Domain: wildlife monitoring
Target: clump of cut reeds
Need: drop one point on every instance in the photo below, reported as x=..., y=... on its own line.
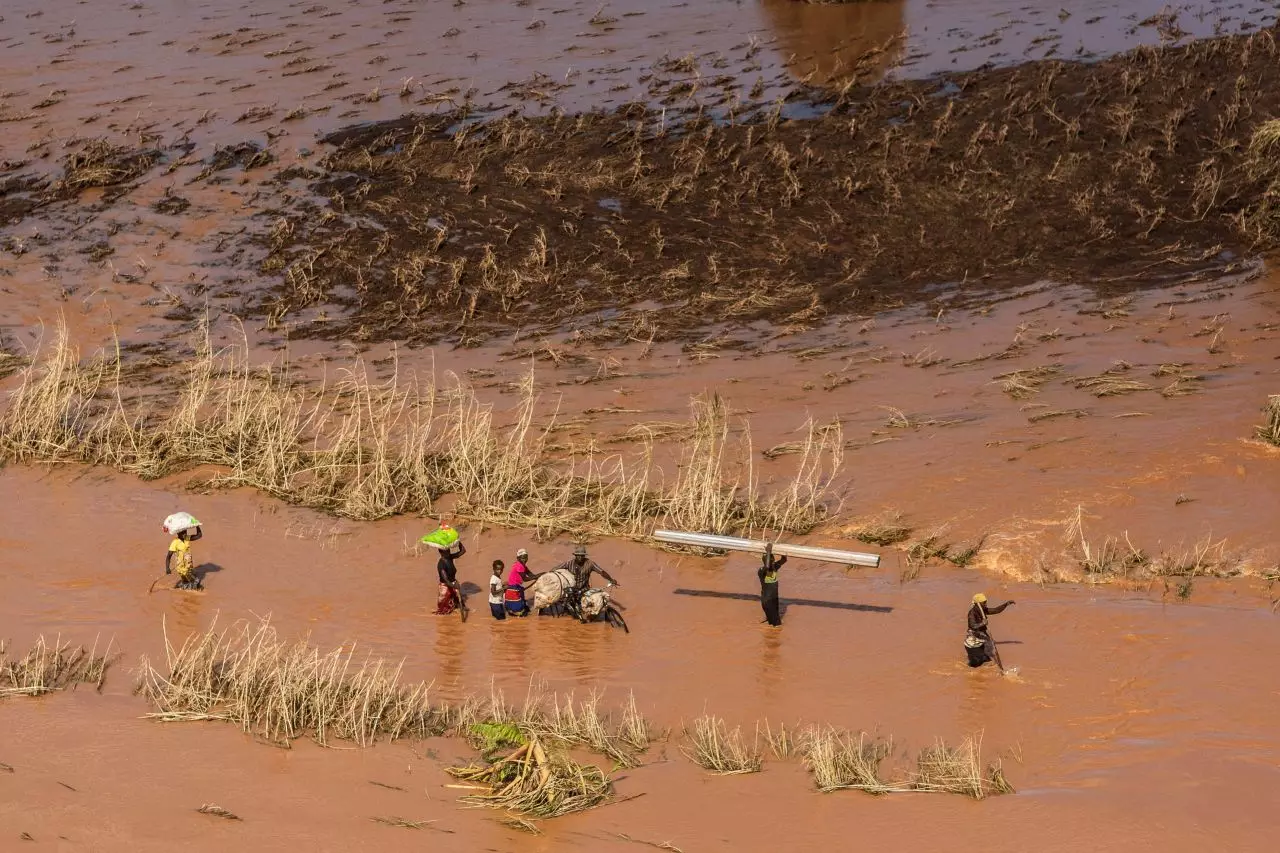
x=1021, y=384
x=884, y=530
x=536, y=780
x=281, y=691
x=1266, y=139
x=842, y=760
x=101, y=164
x=958, y=770
x=1269, y=429
x=53, y=666
x=218, y=811
x=1111, y=382
x=9, y=363
x=715, y=747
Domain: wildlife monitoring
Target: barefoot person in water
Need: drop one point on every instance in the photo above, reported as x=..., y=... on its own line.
x=450, y=595
x=179, y=559
x=768, y=575
x=977, y=642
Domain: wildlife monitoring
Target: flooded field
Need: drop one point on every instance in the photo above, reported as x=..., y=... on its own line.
x=962, y=284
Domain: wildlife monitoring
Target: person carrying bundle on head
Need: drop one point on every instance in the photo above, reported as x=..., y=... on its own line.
x=977, y=641
x=768, y=574
x=178, y=559
x=519, y=576
x=446, y=541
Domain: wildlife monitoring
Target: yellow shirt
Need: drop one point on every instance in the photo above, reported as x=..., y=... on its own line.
x=182, y=564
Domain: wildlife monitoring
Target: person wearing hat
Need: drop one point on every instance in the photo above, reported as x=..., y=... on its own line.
x=581, y=568
x=519, y=576
x=977, y=642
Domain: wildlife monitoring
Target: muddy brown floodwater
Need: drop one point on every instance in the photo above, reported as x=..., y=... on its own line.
x=1149, y=723
x=1033, y=421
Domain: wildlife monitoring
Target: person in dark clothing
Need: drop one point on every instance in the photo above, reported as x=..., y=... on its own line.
x=450, y=595
x=977, y=641
x=768, y=575
x=582, y=568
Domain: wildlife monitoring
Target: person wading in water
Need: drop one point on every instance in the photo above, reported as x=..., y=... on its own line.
x=450, y=595
x=582, y=569
x=520, y=575
x=768, y=575
x=179, y=559
x=977, y=642
x=497, y=588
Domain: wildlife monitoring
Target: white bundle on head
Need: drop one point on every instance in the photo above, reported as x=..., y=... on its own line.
x=178, y=522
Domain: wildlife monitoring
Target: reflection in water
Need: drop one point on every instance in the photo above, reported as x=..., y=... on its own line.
x=770, y=659
x=828, y=39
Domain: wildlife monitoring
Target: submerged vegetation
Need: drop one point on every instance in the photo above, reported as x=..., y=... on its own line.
x=1269, y=429
x=49, y=667
x=1150, y=166
x=281, y=691
x=365, y=449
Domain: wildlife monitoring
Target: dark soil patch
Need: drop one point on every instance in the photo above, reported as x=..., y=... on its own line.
x=1120, y=174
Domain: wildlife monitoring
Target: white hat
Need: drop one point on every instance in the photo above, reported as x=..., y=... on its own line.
x=520, y=552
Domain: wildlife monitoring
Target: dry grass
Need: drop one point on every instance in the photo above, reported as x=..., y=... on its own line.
x=366, y=449
x=1269, y=429
x=101, y=164
x=217, y=811
x=713, y=746
x=281, y=691
x=959, y=770
x=536, y=780
x=1021, y=384
x=1111, y=558
x=1111, y=382
x=842, y=760
x=49, y=667
x=884, y=530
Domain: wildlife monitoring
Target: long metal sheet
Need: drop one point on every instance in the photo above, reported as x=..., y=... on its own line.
x=733, y=543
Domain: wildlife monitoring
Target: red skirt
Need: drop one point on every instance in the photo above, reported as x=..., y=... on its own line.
x=446, y=601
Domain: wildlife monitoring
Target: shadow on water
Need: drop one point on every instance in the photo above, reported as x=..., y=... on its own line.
x=786, y=602
x=204, y=569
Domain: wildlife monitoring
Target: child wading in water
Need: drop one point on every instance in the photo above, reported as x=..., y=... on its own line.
x=179, y=558
x=497, y=589
x=768, y=575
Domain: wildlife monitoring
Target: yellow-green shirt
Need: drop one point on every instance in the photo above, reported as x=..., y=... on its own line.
x=182, y=548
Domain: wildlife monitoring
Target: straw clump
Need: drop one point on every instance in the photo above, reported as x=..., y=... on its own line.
x=536, y=780
x=102, y=164
x=1269, y=429
x=365, y=449
x=282, y=691
x=959, y=770
x=713, y=746
x=841, y=760
x=52, y=666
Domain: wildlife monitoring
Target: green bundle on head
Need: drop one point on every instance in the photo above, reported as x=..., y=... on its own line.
x=441, y=538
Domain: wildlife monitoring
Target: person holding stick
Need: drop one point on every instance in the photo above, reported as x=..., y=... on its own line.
x=977, y=641
x=768, y=575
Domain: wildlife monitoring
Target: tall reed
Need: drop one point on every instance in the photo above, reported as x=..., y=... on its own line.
x=365, y=448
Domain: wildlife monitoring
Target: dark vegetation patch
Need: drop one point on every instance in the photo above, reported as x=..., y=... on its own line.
x=246, y=155
x=1147, y=168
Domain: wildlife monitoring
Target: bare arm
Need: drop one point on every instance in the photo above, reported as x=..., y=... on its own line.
x=199, y=534
x=1000, y=609
x=595, y=567
x=168, y=563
